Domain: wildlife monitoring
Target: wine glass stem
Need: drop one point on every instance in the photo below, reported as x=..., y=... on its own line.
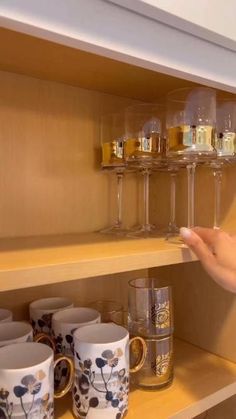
x=191, y=193
x=146, y=177
x=217, y=173
x=172, y=223
x=119, y=178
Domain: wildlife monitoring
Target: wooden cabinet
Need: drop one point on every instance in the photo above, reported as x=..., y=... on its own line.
x=62, y=65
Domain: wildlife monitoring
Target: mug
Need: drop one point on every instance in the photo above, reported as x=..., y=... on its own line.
x=41, y=312
x=157, y=370
x=102, y=369
x=26, y=381
x=15, y=332
x=64, y=323
x=107, y=308
x=150, y=308
x=5, y=315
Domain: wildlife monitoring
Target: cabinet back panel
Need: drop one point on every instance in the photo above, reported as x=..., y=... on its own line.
x=50, y=176
x=204, y=312
x=81, y=292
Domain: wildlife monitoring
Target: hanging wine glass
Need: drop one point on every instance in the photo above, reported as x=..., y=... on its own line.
x=112, y=140
x=142, y=148
x=191, y=118
x=225, y=147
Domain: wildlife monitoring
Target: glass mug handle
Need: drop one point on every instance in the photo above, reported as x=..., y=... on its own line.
x=139, y=365
x=44, y=337
x=69, y=361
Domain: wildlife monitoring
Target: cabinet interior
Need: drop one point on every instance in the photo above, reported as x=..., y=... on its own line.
x=51, y=181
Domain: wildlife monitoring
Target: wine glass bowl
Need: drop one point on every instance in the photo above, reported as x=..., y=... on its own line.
x=143, y=142
x=191, y=120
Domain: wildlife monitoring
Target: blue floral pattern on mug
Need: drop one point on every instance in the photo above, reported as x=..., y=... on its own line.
x=42, y=324
x=107, y=388
x=35, y=407
x=64, y=345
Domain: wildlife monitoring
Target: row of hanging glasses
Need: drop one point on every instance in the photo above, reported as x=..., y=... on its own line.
x=193, y=128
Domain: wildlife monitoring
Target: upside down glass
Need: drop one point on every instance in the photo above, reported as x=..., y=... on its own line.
x=150, y=311
x=150, y=315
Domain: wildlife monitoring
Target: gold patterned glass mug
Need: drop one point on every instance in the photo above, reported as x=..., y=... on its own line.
x=102, y=369
x=26, y=381
x=157, y=371
x=150, y=311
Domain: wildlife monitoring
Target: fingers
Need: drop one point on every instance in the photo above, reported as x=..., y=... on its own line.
x=208, y=235
x=195, y=242
x=219, y=273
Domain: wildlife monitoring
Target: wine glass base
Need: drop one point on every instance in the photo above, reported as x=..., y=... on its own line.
x=145, y=231
x=115, y=229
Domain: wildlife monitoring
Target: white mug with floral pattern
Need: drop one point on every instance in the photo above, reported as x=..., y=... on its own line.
x=101, y=384
x=27, y=382
x=15, y=332
x=41, y=312
x=64, y=323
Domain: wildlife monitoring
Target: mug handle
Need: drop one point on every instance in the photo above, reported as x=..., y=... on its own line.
x=139, y=365
x=42, y=337
x=58, y=358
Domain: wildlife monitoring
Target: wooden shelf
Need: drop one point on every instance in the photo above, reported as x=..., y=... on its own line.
x=26, y=262
x=202, y=380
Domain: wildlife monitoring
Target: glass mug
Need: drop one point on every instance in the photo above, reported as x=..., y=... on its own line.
x=158, y=369
x=102, y=369
x=150, y=312
x=26, y=381
x=106, y=308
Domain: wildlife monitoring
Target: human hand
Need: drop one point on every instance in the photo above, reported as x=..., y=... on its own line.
x=216, y=251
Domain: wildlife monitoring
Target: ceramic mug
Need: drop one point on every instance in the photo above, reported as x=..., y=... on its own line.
x=15, y=332
x=26, y=381
x=102, y=369
x=41, y=312
x=64, y=323
x=5, y=315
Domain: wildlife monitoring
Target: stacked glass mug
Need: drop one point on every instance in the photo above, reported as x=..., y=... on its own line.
x=150, y=315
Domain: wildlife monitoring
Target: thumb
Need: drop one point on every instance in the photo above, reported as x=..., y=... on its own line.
x=198, y=246
x=224, y=276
